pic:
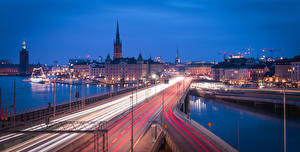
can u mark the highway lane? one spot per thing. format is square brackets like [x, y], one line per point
[120, 134]
[100, 113]
[47, 142]
[142, 122]
[188, 137]
[184, 135]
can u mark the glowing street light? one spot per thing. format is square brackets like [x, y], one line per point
[153, 76]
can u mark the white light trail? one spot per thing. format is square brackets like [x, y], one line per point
[114, 107]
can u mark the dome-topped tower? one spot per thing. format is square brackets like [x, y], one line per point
[24, 60]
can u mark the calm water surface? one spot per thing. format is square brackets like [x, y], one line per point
[32, 95]
[245, 129]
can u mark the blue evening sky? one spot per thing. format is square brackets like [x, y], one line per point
[201, 29]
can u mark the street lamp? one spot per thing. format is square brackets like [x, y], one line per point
[70, 108]
[131, 99]
[54, 99]
[154, 76]
[284, 120]
[163, 102]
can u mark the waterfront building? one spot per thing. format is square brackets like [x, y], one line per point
[172, 69]
[295, 73]
[125, 69]
[158, 59]
[5, 62]
[199, 68]
[130, 69]
[258, 72]
[237, 75]
[9, 69]
[24, 68]
[96, 70]
[82, 70]
[217, 72]
[57, 68]
[239, 70]
[78, 61]
[283, 70]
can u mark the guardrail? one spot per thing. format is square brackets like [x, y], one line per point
[205, 132]
[171, 144]
[36, 116]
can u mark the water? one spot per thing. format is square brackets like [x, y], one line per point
[33, 95]
[256, 130]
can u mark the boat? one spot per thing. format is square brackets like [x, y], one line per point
[38, 76]
[26, 80]
[37, 80]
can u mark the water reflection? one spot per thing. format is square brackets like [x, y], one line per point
[37, 87]
[30, 95]
[198, 105]
[245, 128]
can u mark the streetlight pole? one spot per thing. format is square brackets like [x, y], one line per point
[131, 99]
[83, 95]
[155, 89]
[182, 85]
[54, 99]
[239, 133]
[70, 108]
[145, 93]
[14, 103]
[163, 108]
[1, 101]
[137, 85]
[284, 119]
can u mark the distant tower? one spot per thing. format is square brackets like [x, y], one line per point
[24, 60]
[117, 45]
[177, 59]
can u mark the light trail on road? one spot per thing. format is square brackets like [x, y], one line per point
[119, 134]
[116, 107]
[193, 140]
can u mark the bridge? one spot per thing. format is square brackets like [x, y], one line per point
[127, 118]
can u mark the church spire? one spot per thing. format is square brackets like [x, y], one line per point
[118, 42]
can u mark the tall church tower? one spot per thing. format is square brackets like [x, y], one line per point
[117, 45]
[24, 60]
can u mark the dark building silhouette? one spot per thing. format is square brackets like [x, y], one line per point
[24, 60]
[177, 59]
[117, 45]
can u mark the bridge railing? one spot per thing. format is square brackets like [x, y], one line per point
[208, 134]
[174, 147]
[35, 116]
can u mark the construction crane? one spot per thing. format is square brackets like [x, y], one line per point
[248, 51]
[271, 51]
[223, 53]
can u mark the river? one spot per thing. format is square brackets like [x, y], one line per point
[34, 95]
[245, 129]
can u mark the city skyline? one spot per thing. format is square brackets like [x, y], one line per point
[152, 28]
